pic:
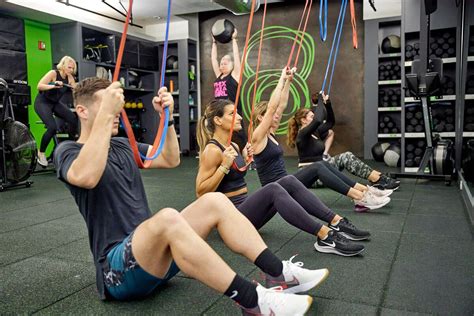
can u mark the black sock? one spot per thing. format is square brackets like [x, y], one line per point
[269, 263]
[243, 292]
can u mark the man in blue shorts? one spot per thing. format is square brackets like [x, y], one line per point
[134, 251]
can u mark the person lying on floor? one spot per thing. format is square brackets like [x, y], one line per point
[136, 252]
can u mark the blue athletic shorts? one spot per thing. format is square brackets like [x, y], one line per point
[124, 279]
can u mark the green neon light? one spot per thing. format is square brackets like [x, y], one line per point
[268, 79]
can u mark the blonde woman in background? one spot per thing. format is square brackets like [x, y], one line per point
[48, 101]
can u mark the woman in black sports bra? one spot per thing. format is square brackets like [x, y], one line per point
[48, 101]
[288, 197]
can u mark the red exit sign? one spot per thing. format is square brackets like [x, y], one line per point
[41, 45]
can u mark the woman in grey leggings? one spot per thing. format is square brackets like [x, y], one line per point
[288, 196]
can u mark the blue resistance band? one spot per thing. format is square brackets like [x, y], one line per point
[162, 82]
[335, 46]
[323, 21]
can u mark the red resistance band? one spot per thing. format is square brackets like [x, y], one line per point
[126, 122]
[354, 25]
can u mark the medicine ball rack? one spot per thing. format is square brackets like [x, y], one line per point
[424, 82]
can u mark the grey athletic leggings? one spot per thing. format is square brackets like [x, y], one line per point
[329, 176]
[351, 163]
[290, 199]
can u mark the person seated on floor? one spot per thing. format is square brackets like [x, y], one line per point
[134, 251]
[304, 131]
[268, 155]
[287, 197]
[328, 136]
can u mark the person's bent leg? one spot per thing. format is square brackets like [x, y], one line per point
[44, 110]
[238, 233]
[66, 114]
[352, 164]
[310, 202]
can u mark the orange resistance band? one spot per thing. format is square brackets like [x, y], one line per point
[126, 122]
[354, 25]
[250, 130]
[297, 33]
[304, 33]
[242, 64]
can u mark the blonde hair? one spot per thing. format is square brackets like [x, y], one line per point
[259, 109]
[294, 125]
[206, 126]
[64, 62]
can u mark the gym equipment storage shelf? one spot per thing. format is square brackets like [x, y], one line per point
[95, 50]
[181, 78]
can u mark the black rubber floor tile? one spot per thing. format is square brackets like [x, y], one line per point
[376, 221]
[397, 312]
[433, 274]
[368, 274]
[43, 237]
[31, 284]
[8, 257]
[10, 224]
[180, 296]
[438, 225]
[75, 251]
[44, 212]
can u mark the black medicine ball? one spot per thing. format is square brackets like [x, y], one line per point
[391, 44]
[222, 30]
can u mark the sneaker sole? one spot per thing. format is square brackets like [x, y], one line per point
[352, 237]
[308, 285]
[374, 207]
[335, 251]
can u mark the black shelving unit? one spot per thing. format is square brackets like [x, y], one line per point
[182, 77]
[94, 48]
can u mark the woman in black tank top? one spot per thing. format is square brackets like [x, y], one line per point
[287, 197]
[271, 165]
[48, 101]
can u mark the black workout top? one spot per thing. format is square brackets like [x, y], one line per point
[270, 163]
[115, 207]
[54, 95]
[226, 88]
[235, 179]
[310, 139]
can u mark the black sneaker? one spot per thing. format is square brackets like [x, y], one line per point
[338, 244]
[385, 182]
[348, 230]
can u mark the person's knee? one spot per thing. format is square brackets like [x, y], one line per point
[289, 182]
[167, 220]
[331, 133]
[212, 199]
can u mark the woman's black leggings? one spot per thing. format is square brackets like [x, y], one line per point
[291, 200]
[45, 109]
[329, 176]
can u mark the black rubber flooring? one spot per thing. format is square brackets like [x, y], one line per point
[420, 259]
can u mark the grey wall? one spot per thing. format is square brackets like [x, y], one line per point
[347, 89]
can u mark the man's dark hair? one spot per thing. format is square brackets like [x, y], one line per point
[85, 89]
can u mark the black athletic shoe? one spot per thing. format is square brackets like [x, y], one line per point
[338, 244]
[348, 230]
[385, 182]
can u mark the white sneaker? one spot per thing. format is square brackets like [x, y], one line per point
[42, 159]
[295, 279]
[371, 202]
[275, 302]
[378, 192]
